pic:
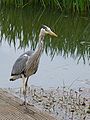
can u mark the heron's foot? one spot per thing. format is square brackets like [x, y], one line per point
[23, 103]
[29, 111]
[30, 104]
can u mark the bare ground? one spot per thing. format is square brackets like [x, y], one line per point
[10, 109]
[61, 103]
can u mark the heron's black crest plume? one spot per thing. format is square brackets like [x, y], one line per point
[44, 27]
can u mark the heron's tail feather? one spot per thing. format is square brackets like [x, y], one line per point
[12, 78]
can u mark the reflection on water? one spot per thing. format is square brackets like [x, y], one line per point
[20, 28]
[23, 25]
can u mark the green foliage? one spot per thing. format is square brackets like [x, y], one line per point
[20, 27]
[70, 5]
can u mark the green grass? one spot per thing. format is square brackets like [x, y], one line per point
[22, 26]
[67, 5]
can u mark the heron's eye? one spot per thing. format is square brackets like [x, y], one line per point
[49, 29]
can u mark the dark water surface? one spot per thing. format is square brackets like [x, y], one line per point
[66, 59]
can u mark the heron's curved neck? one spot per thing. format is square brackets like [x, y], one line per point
[40, 45]
[41, 42]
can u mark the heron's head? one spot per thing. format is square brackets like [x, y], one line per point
[46, 30]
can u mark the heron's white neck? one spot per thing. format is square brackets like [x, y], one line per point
[40, 46]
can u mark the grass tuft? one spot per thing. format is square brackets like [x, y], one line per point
[70, 5]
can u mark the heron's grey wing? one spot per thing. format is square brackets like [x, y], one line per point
[20, 63]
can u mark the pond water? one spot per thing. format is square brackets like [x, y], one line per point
[65, 60]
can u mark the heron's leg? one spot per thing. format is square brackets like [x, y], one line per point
[25, 92]
[23, 86]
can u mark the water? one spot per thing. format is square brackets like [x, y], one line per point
[66, 59]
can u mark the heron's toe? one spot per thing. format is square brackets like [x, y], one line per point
[23, 103]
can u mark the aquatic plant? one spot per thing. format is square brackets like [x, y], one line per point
[22, 25]
[70, 5]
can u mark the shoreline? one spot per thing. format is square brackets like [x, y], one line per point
[61, 103]
[10, 109]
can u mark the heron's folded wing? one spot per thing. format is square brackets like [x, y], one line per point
[19, 65]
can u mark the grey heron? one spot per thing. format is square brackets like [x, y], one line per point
[27, 64]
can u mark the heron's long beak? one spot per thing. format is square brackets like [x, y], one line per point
[51, 33]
